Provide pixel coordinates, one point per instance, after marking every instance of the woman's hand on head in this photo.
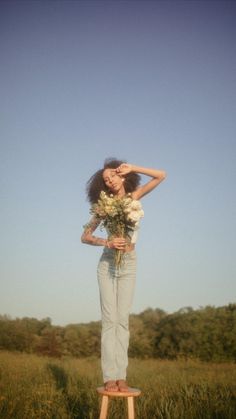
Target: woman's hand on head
(124, 169)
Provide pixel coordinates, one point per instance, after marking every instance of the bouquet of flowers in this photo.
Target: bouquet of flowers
(119, 215)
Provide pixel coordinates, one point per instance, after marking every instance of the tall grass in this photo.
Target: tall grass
(34, 387)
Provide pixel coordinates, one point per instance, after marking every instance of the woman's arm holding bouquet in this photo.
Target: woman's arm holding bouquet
(88, 237)
(157, 177)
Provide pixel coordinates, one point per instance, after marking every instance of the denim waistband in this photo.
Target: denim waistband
(111, 253)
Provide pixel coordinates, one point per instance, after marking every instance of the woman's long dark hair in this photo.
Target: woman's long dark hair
(96, 183)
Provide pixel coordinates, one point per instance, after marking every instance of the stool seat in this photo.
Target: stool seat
(129, 395)
(133, 392)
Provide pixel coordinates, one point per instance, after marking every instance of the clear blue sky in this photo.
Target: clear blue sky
(152, 82)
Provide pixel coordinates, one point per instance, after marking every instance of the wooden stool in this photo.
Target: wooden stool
(133, 392)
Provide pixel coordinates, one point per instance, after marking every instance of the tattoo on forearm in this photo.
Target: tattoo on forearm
(87, 236)
(97, 241)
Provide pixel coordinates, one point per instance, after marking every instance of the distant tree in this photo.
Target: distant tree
(50, 343)
(71, 342)
(14, 336)
(142, 332)
(208, 333)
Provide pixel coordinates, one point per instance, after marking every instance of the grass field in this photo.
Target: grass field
(33, 387)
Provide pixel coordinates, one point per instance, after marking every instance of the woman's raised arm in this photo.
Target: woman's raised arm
(157, 177)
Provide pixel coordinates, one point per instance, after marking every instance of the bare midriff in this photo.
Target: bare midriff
(129, 247)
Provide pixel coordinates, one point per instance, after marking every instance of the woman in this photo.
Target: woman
(116, 284)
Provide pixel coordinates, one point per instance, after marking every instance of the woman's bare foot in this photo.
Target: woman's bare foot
(122, 385)
(111, 385)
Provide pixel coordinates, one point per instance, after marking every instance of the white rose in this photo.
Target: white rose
(136, 205)
(134, 216)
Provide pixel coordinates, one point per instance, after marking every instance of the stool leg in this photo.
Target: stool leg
(104, 407)
(130, 407)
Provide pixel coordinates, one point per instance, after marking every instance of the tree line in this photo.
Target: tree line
(208, 333)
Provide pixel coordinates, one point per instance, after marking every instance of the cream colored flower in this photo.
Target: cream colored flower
(134, 216)
(136, 205)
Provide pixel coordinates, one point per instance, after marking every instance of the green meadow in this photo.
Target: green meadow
(36, 387)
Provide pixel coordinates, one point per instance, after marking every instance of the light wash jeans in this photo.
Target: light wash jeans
(116, 286)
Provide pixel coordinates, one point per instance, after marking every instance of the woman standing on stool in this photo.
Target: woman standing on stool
(116, 282)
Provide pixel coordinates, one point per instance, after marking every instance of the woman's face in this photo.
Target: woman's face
(113, 181)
